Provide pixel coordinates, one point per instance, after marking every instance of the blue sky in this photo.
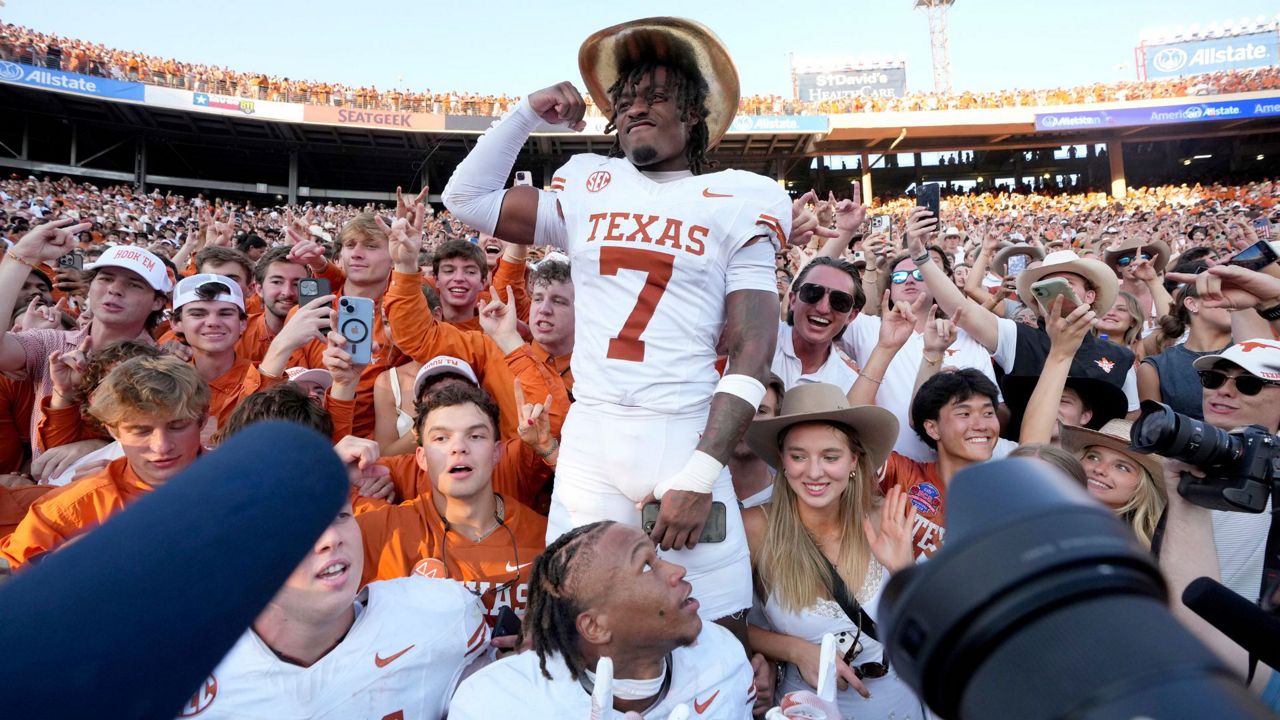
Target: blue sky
(517, 47)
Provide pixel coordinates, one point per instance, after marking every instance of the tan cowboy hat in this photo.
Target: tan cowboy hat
(1113, 435)
(667, 40)
(1102, 278)
(877, 428)
(1000, 263)
(1157, 250)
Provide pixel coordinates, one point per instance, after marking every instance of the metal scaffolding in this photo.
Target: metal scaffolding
(937, 12)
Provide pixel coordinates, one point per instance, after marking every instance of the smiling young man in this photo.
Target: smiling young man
(462, 274)
(460, 528)
(823, 300)
(155, 408)
(602, 590)
(277, 279)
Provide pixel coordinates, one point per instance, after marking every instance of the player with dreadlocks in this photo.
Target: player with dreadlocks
(602, 590)
(666, 261)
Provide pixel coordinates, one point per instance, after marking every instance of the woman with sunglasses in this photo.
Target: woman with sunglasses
(823, 549)
(1140, 264)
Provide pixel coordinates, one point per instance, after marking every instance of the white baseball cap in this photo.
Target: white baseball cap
(1259, 357)
(440, 365)
(319, 376)
(953, 231)
(143, 262)
(187, 287)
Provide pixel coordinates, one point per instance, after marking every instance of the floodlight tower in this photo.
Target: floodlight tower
(937, 12)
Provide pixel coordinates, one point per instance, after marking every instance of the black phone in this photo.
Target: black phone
(71, 261)
(1259, 256)
(713, 532)
(927, 197)
(311, 288)
(508, 622)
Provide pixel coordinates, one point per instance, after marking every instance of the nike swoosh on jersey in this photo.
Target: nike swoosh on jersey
(385, 661)
(706, 192)
(517, 568)
(701, 707)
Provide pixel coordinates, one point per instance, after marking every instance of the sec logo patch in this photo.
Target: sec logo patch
(598, 180)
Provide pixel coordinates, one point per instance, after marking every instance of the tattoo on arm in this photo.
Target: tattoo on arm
(751, 339)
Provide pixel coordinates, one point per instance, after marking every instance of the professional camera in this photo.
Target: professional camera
(1240, 467)
(1043, 605)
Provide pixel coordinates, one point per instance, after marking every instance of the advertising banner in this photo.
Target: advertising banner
(1194, 57)
(779, 124)
(20, 74)
(1160, 115)
(222, 104)
(851, 82)
(386, 119)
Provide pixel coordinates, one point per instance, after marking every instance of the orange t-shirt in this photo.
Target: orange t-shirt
(14, 503)
(410, 538)
(71, 509)
(255, 339)
(238, 382)
(927, 494)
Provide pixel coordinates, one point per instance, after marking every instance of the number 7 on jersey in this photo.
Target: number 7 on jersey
(658, 267)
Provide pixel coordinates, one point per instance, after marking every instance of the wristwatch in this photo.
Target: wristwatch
(1271, 313)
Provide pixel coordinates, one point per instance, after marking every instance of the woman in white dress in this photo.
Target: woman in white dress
(828, 513)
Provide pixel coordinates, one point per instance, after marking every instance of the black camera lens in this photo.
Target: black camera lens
(1162, 431)
(307, 287)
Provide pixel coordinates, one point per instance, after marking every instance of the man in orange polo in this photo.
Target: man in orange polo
(155, 408)
(551, 317)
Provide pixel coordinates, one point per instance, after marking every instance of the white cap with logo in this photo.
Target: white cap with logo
(188, 287)
(1259, 357)
(140, 261)
(318, 376)
(440, 365)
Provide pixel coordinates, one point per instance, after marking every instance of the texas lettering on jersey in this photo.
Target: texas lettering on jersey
(653, 229)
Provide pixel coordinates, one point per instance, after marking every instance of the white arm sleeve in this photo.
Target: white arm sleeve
(550, 229)
(1131, 388)
(475, 192)
(750, 268)
(1007, 344)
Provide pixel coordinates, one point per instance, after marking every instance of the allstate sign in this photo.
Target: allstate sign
(1212, 55)
(43, 78)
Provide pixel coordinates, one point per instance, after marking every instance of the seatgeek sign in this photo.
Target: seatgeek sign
(1195, 57)
(1159, 115)
(45, 79)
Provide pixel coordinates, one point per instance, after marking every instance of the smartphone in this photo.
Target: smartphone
(524, 177)
(1046, 290)
(355, 322)
(847, 645)
(1016, 264)
(881, 223)
(71, 261)
(927, 197)
(859, 256)
(1259, 256)
(311, 288)
(713, 532)
(508, 622)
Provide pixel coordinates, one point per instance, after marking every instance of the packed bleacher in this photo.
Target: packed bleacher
(716, 492)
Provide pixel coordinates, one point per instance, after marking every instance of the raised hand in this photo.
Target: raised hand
(921, 227)
(1066, 333)
(534, 423)
(66, 369)
(40, 317)
(47, 242)
(939, 334)
(804, 221)
(850, 214)
(498, 320)
(1144, 270)
(1233, 287)
(896, 324)
(891, 543)
(560, 104)
(404, 242)
(345, 373)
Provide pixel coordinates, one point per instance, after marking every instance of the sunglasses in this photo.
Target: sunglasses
(869, 669)
(812, 294)
(900, 276)
(1125, 260)
(1248, 385)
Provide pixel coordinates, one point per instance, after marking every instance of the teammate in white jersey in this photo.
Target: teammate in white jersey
(601, 590)
(665, 261)
(320, 650)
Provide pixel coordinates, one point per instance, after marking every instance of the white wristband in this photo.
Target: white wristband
(743, 386)
(698, 475)
(475, 192)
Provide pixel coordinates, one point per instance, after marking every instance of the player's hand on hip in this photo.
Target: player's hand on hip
(680, 520)
(560, 104)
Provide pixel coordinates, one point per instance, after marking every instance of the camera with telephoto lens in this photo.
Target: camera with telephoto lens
(1239, 466)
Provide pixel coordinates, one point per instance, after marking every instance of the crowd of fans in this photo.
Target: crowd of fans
(25, 45)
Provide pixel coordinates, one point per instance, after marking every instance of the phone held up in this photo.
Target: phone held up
(1259, 256)
(713, 532)
(524, 177)
(355, 322)
(1046, 290)
(927, 196)
(71, 261)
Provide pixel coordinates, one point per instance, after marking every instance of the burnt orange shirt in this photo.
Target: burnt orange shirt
(558, 365)
(14, 503)
(410, 538)
(926, 493)
(255, 339)
(17, 398)
(71, 509)
(63, 426)
(519, 473)
(238, 382)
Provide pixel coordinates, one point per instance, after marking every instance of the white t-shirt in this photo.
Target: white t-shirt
(1007, 348)
(1241, 542)
(898, 384)
(712, 677)
(402, 658)
(786, 365)
(652, 265)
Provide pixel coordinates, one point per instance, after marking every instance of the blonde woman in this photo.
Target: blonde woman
(827, 514)
(1122, 324)
(1123, 479)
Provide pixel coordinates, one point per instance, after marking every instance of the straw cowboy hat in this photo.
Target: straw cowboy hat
(1115, 436)
(1157, 250)
(1099, 276)
(689, 45)
(876, 428)
(1000, 263)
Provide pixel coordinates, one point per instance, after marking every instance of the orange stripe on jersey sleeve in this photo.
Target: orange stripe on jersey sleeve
(775, 226)
(557, 179)
(477, 640)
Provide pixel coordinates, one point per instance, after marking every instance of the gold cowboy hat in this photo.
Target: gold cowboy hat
(876, 428)
(1157, 250)
(1113, 435)
(673, 41)
(1102, 278)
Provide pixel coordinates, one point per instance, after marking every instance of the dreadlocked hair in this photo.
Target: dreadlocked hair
(551, 618)
(691, 101)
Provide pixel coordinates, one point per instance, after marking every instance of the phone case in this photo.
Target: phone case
(714, 531)
(320, 285)
(355, 322)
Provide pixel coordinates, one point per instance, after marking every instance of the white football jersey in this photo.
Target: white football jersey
(401, 660)
(712, 677)
(650, 264)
